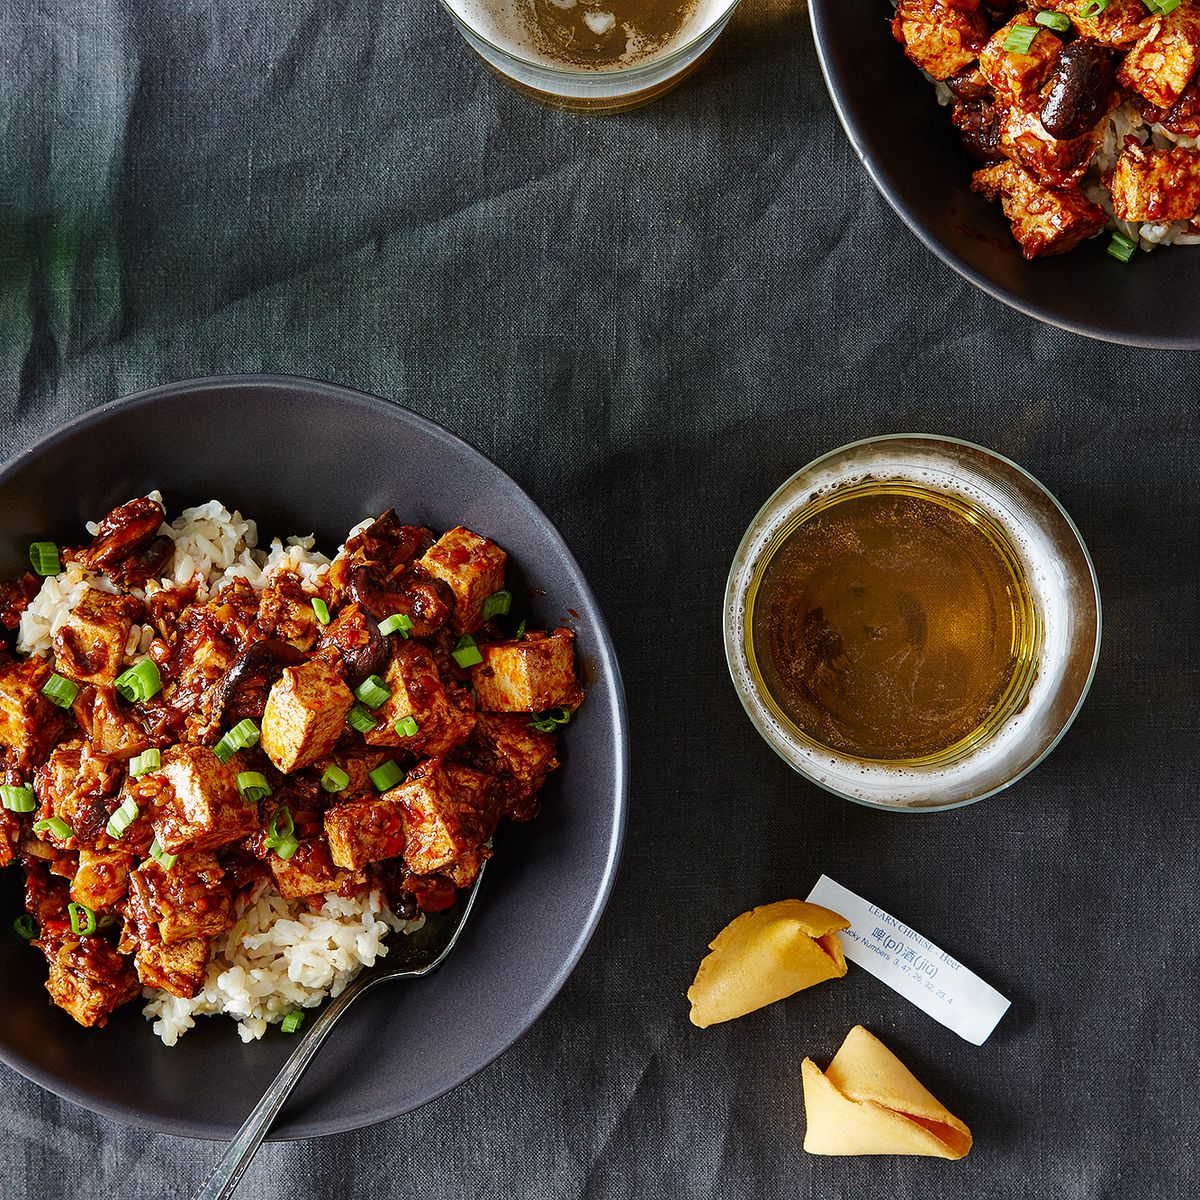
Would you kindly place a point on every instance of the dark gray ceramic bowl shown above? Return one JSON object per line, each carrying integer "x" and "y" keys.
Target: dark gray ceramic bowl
{"x": 300, "y": 456}
{"x": 913, "y": 154}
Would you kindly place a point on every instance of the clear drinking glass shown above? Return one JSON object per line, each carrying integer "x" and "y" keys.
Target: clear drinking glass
{"x": 494, "y": 30}
{"x": 1055, "y": 560}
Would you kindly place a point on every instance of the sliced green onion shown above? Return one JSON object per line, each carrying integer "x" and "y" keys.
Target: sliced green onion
{"x": 321, "y": 609}
{"x": 387, "y": 775}
{"x": 407, "y": 727}
{"x": 241, "y": 737}
{"x": 253, "y": 786}
{"x": 362, "y": 719}
{"x": 292, "y": 1021}
{"x": 26, "y": 927}
{"x": 520, "y": 630}
{"x": 281, "y": 824}
{"x": 466, "y": 653}
{"x": 148, "y": 760}
{"x": 83, "y": 920}
{"x": 1162, "y": 7}
{"x": 334, "y": 779}
{"x": 497, "y": 604}
{"x": 60, "y": 691}
{"x": 160, "y": 856}
{"x": 548, "y": 722}
{"x": 140, "y": 682}
{"x": 1052, "y": 20}
{"x": 1094, "y": 9}
{"x": 281, "y": 833}
{"x": 106, "y": 921}
{"x": 45, "y": 559}
{"x": 122, "y": 818}
{"x": 17, "y": 798}
{"x": 1020, "y": 39}
{"x": 1121, "y": 247}
{"x": 55, "y": 825}
{"x": 373, "y": 691}
{"x": 396, "y": 623}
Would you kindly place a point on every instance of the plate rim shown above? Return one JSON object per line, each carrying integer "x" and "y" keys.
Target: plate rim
{"x": 821, "y": 17}
{"x": 608, "y": 667}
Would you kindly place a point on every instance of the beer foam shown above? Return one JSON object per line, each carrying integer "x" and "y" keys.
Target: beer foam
{"x": 1005, "y": 755}
{"x": 512, "y": 26}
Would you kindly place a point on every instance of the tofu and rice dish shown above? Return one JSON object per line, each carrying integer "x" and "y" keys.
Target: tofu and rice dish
{"x": 1084, "y": 114}
{"x": 229, "y": 774}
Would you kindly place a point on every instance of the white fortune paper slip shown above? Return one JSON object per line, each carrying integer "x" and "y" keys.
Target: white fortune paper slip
{"x": 913, "y": 965}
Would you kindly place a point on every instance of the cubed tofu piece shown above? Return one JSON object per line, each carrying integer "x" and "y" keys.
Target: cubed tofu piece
{"x": 29, "y": 723}
{"x": 10, "y": 837}
{"x": 76, "y": 787}
{"x": 89, "y": 979}
{"x": 476, "y": 801}
{"x": 310, "y": 871}
{"x": 474, "y": 569}
{"x": 285, "y": 612}
{"x": 1117, "y": 27}
{"x": 1055, "y": 162}
{"x": 111, "y": 730}
{"x": 102, "y": 878}
{"x": 1165, "y": 58}
{"x": 1016, "y": 76}
{"x": 434, "y": 834}
{"x": 940, "y": 36}
{"x": 1156, "y": 185}
{"x": 506, "y": 744}
{"x": 90, "y": 646}
{"x": 1044, "y": 220}
{"x": 191, "y": 900}
{"x": 366, "y": 830}
{"x": 530, "y": 675}
{"x": 200, "y": 808}
{"x": 417, "y": 691}
{"x": 462, "y": 872}
{"x": 179, "y": 968}
{"x": 305, "y": 714}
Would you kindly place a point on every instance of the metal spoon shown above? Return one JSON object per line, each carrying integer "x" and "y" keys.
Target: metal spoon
{"x": 408, "y": 958}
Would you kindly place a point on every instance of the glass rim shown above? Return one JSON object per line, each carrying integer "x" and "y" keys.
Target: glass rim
{"x": 681, "y": 51}
{"x": 733, "y": 591}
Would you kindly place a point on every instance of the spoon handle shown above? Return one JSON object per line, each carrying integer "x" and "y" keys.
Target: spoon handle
{"x": 231, "y": 1166}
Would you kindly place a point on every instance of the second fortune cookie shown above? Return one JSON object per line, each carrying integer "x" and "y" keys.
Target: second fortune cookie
{"x": 763, "y": 956}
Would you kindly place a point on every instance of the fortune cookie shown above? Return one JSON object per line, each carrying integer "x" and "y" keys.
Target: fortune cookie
{"x": 763, "y": 956}
{"x": 868, "y": 1102}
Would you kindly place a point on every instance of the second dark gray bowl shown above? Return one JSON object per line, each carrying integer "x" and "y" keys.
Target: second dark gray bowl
{"x": 912, "y": 152}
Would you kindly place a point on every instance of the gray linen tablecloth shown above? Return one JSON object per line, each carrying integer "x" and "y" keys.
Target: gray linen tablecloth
{"x": 650, "y": 321}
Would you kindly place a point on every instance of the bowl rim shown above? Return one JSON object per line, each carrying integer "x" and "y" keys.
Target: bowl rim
{"x": 822, "y": 16}
{"x": 607, "y": 665}
{"x": 732, "y": 590}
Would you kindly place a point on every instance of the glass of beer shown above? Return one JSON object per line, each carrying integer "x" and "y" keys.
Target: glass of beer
{"x": 912, "y": 622}
{"x": 599, "y": 55}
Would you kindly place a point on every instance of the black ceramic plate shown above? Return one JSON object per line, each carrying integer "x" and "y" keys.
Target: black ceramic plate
{"x": 299, "y": 457}
{"x": 913, "y": 154}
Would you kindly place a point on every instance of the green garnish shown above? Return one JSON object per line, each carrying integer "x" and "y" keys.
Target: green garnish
{"x": 372, "y": 691}
{"x": 1020, "y": 39}
{"x": 241, "y": 737}
{"x": 396, "y": 623}
{"x": 1122, "y": 247}
{"x": 142, "y": 764}
{"x": 497, "y": 604}
{"x": 253, "y": 786}
{"x": 45, "y": 559}
{"x": 549, "y": 721}
{"x": 407, "y": 727}
{"x": 17, "y": 798}
{"x": 140, "y": 682}
{"x": 60, "y": 691}
{"x": 361, "y": 719}
{"x": 321, "y": 609}
{"x": 387, "y": 775}
{"x": 334, "y": 779}
{"x": 466, "y": 653}
{"x": 83, "y": 920}
{"x": 122, "y": 818}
